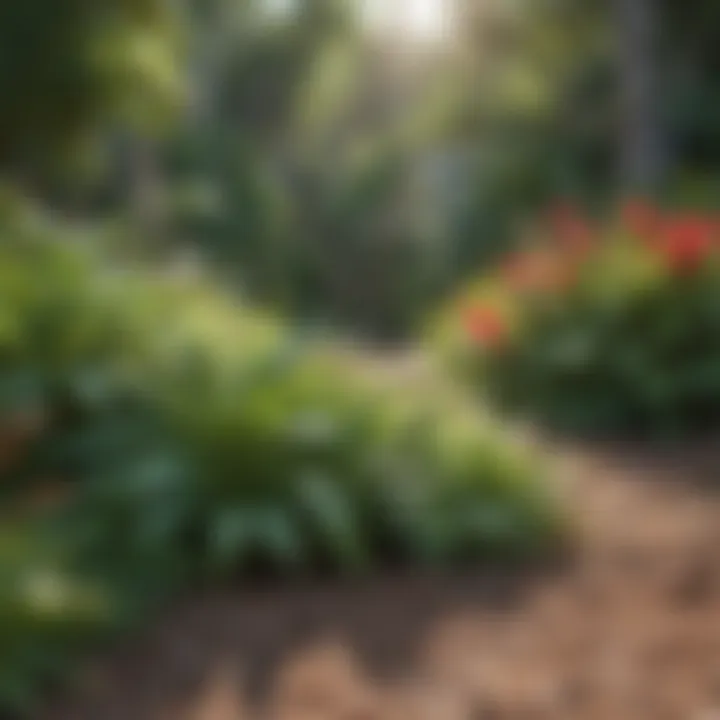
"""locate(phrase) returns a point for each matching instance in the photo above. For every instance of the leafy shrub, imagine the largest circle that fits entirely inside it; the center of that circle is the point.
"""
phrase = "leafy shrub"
(156, 433)
(269, 453)
(601, 329)
(48, 612)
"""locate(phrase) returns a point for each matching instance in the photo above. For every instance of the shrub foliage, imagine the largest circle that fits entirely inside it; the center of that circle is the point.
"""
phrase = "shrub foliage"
(608, 328)
(157, 433)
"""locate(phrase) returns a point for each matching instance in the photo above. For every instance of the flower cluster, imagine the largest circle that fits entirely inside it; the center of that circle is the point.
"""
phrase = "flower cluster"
(683, 242)
(486, 326)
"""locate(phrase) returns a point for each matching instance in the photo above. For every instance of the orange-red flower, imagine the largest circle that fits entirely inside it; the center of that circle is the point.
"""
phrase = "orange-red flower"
(524, 270)
(486, 326)
(538, 271)
(686, 242)
(572, 230)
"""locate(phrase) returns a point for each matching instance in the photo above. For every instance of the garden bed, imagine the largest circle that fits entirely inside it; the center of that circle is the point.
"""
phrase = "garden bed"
(626, 629)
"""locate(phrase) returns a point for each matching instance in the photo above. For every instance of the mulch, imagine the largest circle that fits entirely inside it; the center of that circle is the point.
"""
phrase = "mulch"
(627, 629)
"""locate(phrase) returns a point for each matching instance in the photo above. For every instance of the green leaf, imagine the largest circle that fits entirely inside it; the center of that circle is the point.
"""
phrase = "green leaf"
(331, 513)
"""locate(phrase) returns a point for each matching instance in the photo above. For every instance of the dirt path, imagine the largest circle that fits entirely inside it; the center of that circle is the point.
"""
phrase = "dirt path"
(629, 630)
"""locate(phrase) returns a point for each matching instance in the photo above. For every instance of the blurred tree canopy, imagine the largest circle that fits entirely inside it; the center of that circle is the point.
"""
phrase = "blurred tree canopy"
(343, 175)
(690, 56)
(531, 101)
(293, 170)
(68, 66)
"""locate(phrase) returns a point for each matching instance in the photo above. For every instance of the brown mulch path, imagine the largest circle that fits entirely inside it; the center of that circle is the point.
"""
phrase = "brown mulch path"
(628, 630)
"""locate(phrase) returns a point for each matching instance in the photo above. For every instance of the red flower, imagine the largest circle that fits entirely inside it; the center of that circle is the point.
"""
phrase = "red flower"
(525, 270)
(485, 326)
(538, 270)
(642, 220)
(572, 229)
(686, 243)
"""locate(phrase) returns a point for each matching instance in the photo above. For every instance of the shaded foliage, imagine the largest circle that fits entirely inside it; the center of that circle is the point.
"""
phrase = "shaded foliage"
(68, 67)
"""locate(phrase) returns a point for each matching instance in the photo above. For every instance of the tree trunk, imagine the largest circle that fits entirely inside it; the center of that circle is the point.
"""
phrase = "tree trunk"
(642, 155)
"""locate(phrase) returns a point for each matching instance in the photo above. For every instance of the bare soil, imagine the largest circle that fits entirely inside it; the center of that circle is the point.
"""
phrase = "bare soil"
(629, 629)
